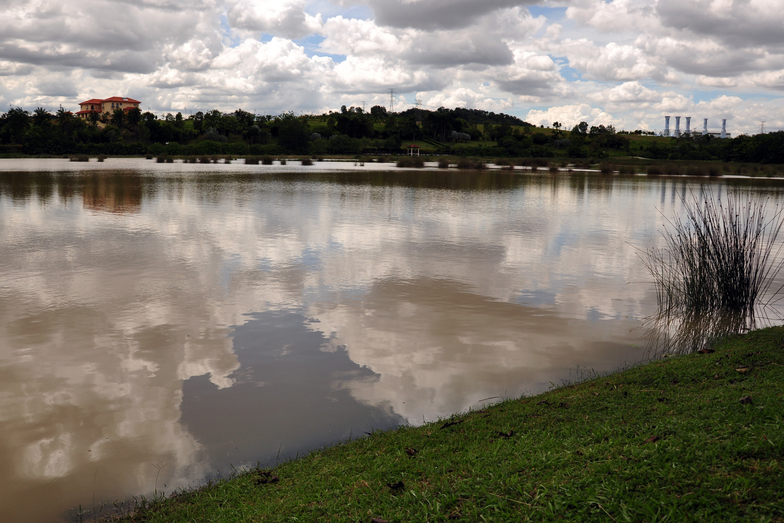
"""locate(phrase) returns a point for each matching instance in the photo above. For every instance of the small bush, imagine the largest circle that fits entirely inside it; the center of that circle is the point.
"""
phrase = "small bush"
(465, 163)
(148, 157)
(673, 169)
(307, 161)
(101, 157)
(626, 169)
(606, 168)
(283, 161)
(266, 160)
(161, 158)
(411, 161)
(228, 159)
(204, 159)
(696, 170)
(252, 160)
(443, 163)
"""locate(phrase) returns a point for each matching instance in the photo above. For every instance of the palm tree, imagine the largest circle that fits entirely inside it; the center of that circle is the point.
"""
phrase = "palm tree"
(41, 117)
(64, 119)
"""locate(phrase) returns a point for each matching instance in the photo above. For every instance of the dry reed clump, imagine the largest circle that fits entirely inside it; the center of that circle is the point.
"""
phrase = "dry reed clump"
(252, 160)
(607, 168)
(79, 158)
(673, 169)
(627, 169)
(554, 168)
(306, 161)
(282, 161)
(191, 159)
(443, 163)
(267, 160)
(411, 161)
(536, 163)
(466, 163)
(101, 157)
(654, 170)
(204, 159)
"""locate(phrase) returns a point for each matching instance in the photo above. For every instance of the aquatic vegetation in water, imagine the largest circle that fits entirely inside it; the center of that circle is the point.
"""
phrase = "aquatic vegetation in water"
(717, 264)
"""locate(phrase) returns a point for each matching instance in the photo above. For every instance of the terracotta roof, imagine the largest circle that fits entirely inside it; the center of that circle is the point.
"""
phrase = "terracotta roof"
(112, 99)
(414, 146)
(121, 99)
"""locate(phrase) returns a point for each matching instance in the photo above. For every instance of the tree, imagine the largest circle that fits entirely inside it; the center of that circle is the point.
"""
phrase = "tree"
(293, 133)
(118, 119)
(16, 123)
(198, 121)
(94, 117)
(64, 118)
(378, 112)
(244, 118)
(134, 117)
(41, 117)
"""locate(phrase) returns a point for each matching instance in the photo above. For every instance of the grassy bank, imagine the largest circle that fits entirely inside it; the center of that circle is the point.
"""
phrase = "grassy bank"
(691, 438)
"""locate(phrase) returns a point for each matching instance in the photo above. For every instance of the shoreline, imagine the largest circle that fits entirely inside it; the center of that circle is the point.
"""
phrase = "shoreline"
(607, 168)
(694, 437)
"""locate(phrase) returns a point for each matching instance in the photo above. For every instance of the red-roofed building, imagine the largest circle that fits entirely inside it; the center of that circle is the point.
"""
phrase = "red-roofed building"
(106, 106)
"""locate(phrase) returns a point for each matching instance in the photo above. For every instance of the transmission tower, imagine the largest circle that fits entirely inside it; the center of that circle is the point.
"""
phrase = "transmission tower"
(762, 127)
(391, 100)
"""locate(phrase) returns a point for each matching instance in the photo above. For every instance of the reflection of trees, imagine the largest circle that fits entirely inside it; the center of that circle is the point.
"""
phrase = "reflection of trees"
(115, 194)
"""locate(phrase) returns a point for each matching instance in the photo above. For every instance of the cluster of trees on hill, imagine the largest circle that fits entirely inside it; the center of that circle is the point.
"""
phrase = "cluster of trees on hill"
(460, 131)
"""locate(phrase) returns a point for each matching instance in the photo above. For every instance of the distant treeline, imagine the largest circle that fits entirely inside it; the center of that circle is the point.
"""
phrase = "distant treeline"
(457, 132)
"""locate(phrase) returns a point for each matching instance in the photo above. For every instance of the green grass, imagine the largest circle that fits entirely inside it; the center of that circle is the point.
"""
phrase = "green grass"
(688, 438)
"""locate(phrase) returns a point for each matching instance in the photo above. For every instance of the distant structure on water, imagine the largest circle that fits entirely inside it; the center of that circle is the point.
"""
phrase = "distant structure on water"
(106, 106)
(677, 133)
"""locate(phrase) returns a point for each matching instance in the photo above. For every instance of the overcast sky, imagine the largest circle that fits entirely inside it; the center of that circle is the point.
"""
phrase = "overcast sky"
(621, 62)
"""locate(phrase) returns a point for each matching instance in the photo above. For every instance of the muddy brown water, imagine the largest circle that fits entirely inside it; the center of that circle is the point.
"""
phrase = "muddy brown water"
(161, 324)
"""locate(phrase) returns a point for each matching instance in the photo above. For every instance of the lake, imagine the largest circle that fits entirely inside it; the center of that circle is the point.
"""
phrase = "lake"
(163, 324)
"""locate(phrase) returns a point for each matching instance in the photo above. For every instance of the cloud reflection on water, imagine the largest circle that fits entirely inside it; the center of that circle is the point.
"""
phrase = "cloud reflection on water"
(343, 298)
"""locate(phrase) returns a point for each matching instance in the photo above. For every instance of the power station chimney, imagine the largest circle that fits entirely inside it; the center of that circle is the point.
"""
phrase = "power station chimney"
(705, 126)
(724, 128)
(666, 126)
(677, 127)
(688, 125)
